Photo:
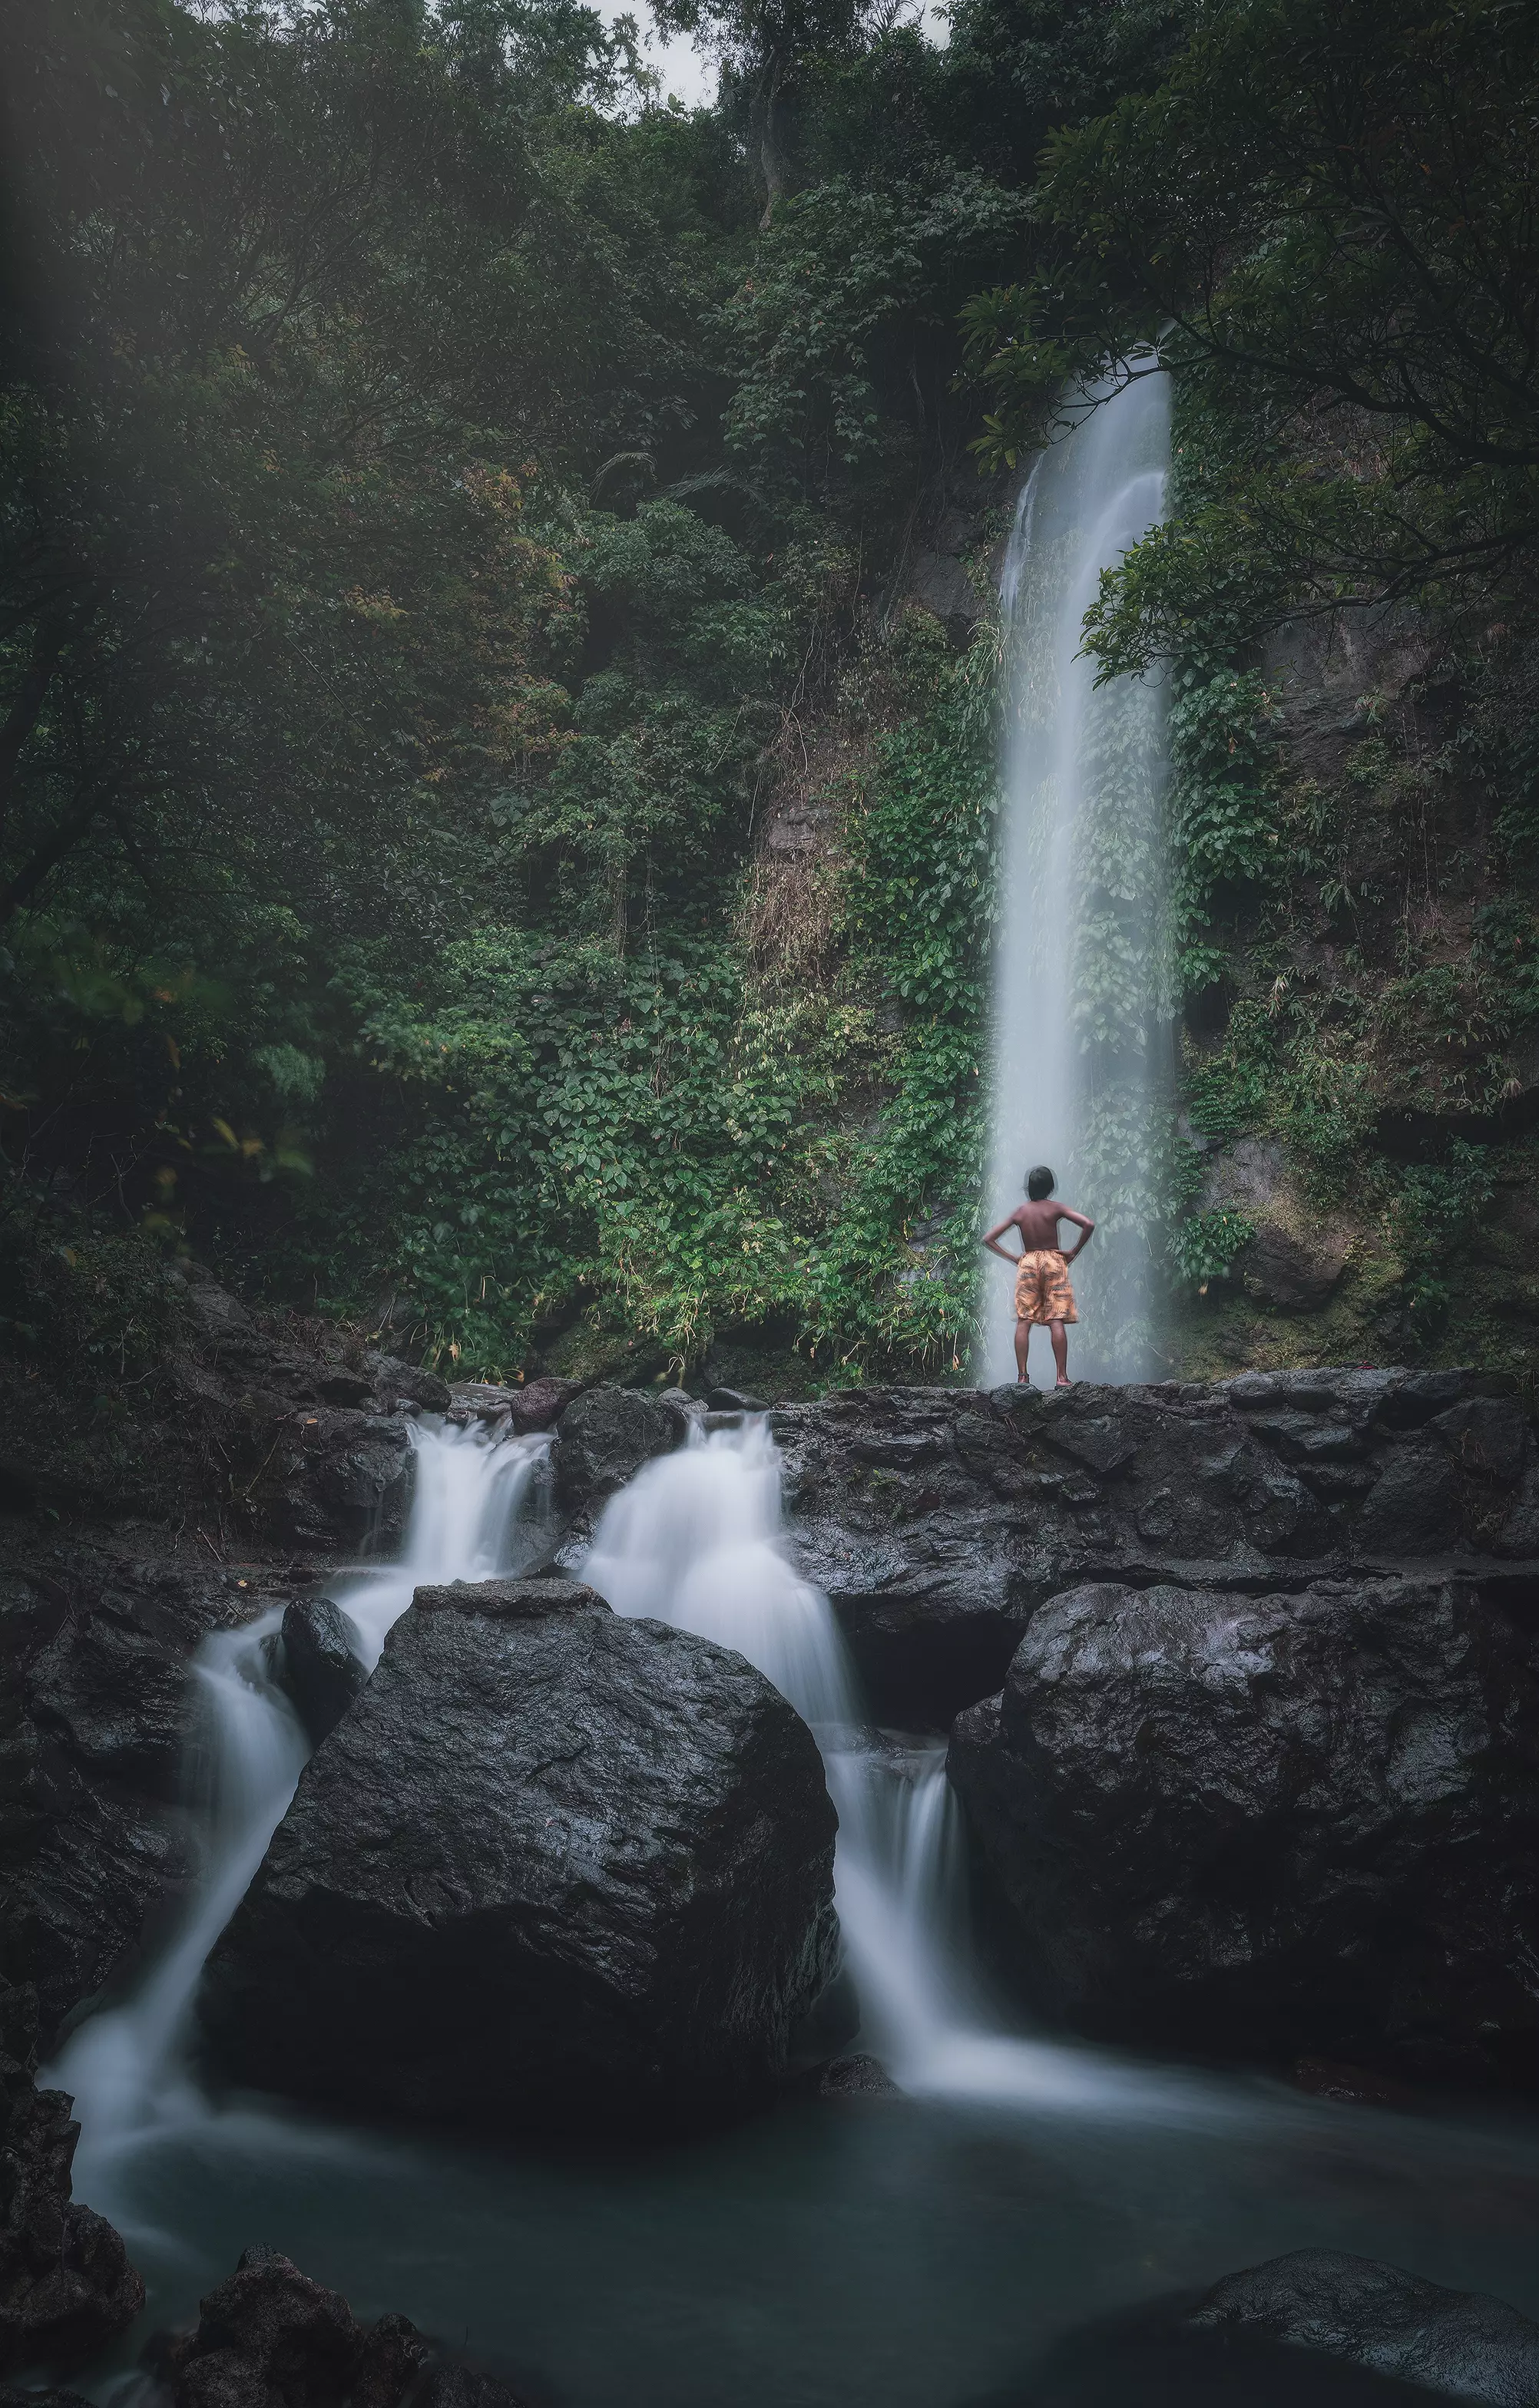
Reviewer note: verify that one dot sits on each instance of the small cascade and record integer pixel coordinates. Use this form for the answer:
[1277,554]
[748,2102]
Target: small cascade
[696,1540]
[471,1519]
[126,2067]
[1081,1008]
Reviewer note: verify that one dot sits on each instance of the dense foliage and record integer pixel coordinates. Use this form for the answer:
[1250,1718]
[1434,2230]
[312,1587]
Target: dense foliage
[458,533]
[429,513]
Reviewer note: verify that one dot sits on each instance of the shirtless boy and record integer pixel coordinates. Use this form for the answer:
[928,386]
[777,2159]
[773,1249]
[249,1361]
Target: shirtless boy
[1043,1292]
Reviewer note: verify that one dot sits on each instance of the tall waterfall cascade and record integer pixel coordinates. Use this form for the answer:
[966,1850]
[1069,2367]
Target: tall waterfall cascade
[1081,1028]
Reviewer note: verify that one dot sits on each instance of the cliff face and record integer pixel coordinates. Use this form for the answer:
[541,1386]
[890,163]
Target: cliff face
[1363,1080]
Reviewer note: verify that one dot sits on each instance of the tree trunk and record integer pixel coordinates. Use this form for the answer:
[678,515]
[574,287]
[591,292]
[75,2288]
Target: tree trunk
[771,161]
[47,645]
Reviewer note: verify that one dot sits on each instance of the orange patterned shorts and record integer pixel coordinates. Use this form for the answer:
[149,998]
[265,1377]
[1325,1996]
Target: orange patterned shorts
[1043,1292]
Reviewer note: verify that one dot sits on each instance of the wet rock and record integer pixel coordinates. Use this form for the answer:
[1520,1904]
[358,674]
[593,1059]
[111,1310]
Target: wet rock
[395,1382]
[275,1428]
[336,1478]
[537,1406]
[1273,1824]
[66,2287]
[602,1440]
[554,1867]
[528,1599]
[51,2398]
[321,1665]
[540,1403]
[939,1520]
[394,2355]
[468,2387]
[1152,2356]
[1462,2345]
[485,1400]
[1351,2086]
[856,2077]
[271,2337]
[95,1712]
[733,1400]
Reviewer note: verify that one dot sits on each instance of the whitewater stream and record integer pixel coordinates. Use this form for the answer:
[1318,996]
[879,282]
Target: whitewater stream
[869,2252]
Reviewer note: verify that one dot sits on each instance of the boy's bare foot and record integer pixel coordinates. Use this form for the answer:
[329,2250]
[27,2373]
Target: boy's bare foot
[1064,1381]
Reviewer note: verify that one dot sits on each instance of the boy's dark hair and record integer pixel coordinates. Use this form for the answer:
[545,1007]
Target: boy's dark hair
[1040,1184]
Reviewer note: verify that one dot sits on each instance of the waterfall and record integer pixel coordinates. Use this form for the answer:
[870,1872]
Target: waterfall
[1080,1076]
[695,1539]
[127,2066]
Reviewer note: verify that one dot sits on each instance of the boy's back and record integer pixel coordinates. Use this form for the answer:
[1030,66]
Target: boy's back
[1038,1223]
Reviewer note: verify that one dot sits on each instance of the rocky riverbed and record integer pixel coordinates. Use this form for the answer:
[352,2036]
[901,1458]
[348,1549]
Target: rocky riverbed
[1240,1680]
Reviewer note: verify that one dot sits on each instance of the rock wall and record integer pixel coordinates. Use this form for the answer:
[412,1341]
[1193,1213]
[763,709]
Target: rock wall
[939,1520]
[66,2287]
[257,1432]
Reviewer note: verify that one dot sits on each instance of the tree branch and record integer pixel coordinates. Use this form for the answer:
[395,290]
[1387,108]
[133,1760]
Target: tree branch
[61,841]
[51,639]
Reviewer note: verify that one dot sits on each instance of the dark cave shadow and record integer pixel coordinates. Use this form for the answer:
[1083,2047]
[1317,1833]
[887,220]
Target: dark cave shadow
[1148,2357]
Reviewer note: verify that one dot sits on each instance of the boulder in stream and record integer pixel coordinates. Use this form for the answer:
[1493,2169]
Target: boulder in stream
[1461,2345]
[272,2337]
[554,1867]
[319,1662]
[1258,1825]
[602,1439]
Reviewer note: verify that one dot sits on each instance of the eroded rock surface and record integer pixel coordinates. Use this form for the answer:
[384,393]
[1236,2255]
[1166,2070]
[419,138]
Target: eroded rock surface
[1460,2344]
[66,2287]
[553,1867]
[272,2337]
[939,1520]
[1265,1824]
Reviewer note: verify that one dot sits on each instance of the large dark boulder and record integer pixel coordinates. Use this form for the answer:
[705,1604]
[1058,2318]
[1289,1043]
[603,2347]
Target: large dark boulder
[95,1716]
[554,1867]
[1271,1823]
[339,1477]
[319,1662]
[66,2287]
[938,1520]
[272,2337]
[1462,2344]
[602,1439]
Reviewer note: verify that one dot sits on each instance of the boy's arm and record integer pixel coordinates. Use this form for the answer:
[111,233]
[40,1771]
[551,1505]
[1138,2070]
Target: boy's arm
[991,1240]
[1081,1222]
